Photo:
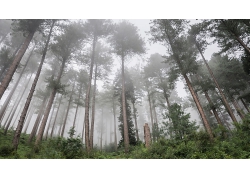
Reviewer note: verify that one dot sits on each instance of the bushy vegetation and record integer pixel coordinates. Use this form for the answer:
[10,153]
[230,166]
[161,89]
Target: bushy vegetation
[197,145]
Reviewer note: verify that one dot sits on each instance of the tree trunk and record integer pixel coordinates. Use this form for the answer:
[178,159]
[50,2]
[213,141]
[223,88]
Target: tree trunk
[13,89]
[228,108]
[93,111]
[199,107]
[101,130]
[47,131]
[52,130]
[29,119]
[115,142]
[239,111]
[38,119]
[18,102]
[213,109]
[151,112]
[15,63]
[87,100]
[147,137]
[124,113]
[29,98]
[66,116]
[47,111]
[136,127]
[79,95]
[165,93]
[156,120]
[245,105]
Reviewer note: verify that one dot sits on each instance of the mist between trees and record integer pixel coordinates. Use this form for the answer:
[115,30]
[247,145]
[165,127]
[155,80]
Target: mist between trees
[94,81]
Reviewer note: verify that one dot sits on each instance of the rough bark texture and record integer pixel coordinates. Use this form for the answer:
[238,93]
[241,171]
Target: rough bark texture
[125,122]
[147,136]
[229,110]
[87,99]
[93,111]
[29,98]
[15,63]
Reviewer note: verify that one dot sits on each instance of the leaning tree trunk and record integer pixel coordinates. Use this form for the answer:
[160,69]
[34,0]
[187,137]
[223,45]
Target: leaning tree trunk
[239,111]
[15,63]
[26,106]
[18,102]
[66,116]
[93,111]
[47,111]
[199,107]
[87,99]
[226,104]
[53,127]
[124,113]
[28,120]
[245,105]
[7,101]
[47,131]
[38,119]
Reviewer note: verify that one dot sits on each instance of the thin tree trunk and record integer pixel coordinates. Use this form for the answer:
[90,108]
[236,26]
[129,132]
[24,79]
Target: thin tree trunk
[156,120]
[15,63]
[114,124]
[245,105]
[238,109]
[229,110]
[165,93]
[136,127]
[151,113]
[29,119]
[52,130]
[101,129]
[87,100]
[47,131]
[38,118]
[7,101]
[66,116]
[46,114]
[93,111]
[18,103]
[29,98]
[77,106]
[124,113]
[213,109]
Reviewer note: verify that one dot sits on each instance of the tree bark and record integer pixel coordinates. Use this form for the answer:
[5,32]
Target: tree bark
[115,137]
[15,63]
[147,137]
[87,100]
[38,119]
[136,127]
[7,101]
[52,130]
[239,111]
[78,101]
[66,116]
[47,111]
[124,113]
[18,102]
[47,131]
[165,93]
[93,110]
[229,110]
[29,119]
[151,112]
[245,105]
[156,120]
[26,106]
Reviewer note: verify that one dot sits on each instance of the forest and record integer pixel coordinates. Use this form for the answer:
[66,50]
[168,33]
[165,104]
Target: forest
[89,89]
